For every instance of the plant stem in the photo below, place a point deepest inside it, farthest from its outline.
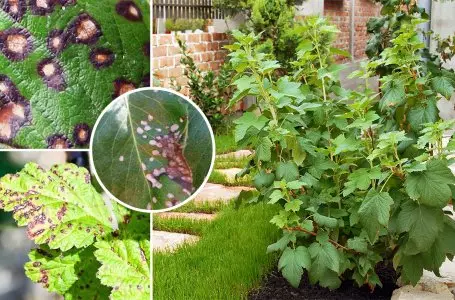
(298, 228)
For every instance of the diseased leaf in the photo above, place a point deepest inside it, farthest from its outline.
(60, 207)
(72, 273)
(152, 149)
(431, 186)
(374, 212)
(292, 263)
(79, 84)
(125, 266)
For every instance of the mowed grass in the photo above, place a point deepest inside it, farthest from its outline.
(231, 162)
(220, 178)
(227, 263)
(225, 143)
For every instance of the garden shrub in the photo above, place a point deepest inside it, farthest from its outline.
(87, 248)
(362, 178)
(275, 20)
(208, 89)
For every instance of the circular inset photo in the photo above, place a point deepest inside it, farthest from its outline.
(152, 149)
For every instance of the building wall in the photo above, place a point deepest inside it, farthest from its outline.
(205, 48)
(339, 12)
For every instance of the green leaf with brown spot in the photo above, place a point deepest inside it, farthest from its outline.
(84, 89)
(60, 207)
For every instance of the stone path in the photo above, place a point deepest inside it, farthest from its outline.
(170, 241)
(163, 241)
(218, 192)
(236, 155)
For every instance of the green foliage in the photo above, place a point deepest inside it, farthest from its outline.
(147, 147)
(209, 90)
(49, 108)
(357, 180)
(83, 252)
(185, 24)
(274, 19)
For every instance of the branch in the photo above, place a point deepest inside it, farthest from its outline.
(298, 228)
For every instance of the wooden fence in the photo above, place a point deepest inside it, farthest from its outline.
(186, 9)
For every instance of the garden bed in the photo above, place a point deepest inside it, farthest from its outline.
(276, 287)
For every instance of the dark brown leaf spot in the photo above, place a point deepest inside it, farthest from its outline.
(62, 212)
(57, 41)
(121, 87)
(58, 141)
(102, 58)
(129, 10)
(13, 116)
(36, 264)
(8, 90)
(14, 8)
(81, 134)
(16, 43)
(42, 7)
(84, 30)
(52, 74)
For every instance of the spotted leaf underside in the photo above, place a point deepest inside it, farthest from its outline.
(59, 207)
(62, 62)
(152, 149)
(72, 273)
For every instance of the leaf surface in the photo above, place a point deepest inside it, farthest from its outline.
(152, 149)
(431, 186)
(374, 212)
(60, 207)
(88, 90)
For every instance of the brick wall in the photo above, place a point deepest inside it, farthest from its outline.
(339, 12)
(205, 48)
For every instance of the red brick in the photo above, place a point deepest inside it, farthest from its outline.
(167, 62)
(165, 39)
(207, 56)
(206, 37)
(175, 72)
(194, 38)
(159, 51)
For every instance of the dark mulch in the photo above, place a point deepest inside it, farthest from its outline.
(275, 287)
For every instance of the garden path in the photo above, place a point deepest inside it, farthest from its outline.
(170, 241)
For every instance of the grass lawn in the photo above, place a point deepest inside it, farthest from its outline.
(227, 263)
(231, 162)
(220, 178)
(225, 143)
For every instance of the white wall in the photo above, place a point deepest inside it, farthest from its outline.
(310, 7)
(443, 23)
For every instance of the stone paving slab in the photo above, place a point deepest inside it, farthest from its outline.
(422, 292)
(229, 173)
(237, 154)
(192, 216)
(217, 192)
(163, 241)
